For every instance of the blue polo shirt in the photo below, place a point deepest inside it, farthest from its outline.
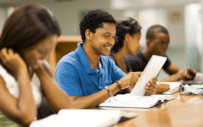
(76, 77)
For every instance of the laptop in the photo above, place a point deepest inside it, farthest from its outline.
(193, 81)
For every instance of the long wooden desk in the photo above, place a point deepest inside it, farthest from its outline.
(183, 111)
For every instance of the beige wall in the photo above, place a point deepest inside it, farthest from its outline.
(68, 13)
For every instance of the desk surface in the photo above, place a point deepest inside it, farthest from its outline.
(69, 39)
(183, 111)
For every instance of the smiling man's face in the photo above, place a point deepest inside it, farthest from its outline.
(103, 39)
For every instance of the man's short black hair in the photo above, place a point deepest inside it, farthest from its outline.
(155, 28)
(93, 19)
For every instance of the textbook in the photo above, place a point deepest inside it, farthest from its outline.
(83, 118)
(131, 101)
(174, 87)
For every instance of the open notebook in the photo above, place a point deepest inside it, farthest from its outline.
(83, 118)
(136, 99)
(129, 101)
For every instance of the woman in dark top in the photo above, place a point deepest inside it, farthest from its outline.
(126, 42)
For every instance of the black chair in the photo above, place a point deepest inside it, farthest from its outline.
(44, 110)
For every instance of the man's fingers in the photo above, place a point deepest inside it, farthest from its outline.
(153, 80)
(151, 86)
(189, 73)
(164, 86)
(150, 92)
(193, 72)
(168, 88)
(138, 73)
(134, 77)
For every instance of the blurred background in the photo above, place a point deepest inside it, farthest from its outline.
(182, 18)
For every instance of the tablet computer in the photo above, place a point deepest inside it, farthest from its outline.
(151, 71)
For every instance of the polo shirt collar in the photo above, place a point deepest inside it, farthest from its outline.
(85, 61)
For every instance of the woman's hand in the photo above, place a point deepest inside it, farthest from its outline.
(162, 87)
(12, 61)
(43, 65)
(151, 86)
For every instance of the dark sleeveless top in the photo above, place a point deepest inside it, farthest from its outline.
(126, 62)
(138, 62)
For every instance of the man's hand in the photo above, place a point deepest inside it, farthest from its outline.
(190, 73)
(151, 86)
(129, 80)
(179, 76)
(162, 87)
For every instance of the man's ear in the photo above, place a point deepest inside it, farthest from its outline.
(88, 34)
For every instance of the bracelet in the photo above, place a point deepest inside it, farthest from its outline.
(109, 91)
(119, 86)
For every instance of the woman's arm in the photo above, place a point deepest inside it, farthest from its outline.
(56, 97)
(22, 110)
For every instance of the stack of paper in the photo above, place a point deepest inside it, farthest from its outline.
(82, 117)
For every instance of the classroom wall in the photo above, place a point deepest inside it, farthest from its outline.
(68, 13)
(172, 17)
(3, 16)
(193, 31)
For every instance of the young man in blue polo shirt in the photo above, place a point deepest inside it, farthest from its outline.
(87, 74)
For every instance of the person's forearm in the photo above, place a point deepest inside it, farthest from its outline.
(26, 106)
(172, 78)
(56, 97)
(93, 99)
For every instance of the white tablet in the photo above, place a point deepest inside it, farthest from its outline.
(151, 71)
